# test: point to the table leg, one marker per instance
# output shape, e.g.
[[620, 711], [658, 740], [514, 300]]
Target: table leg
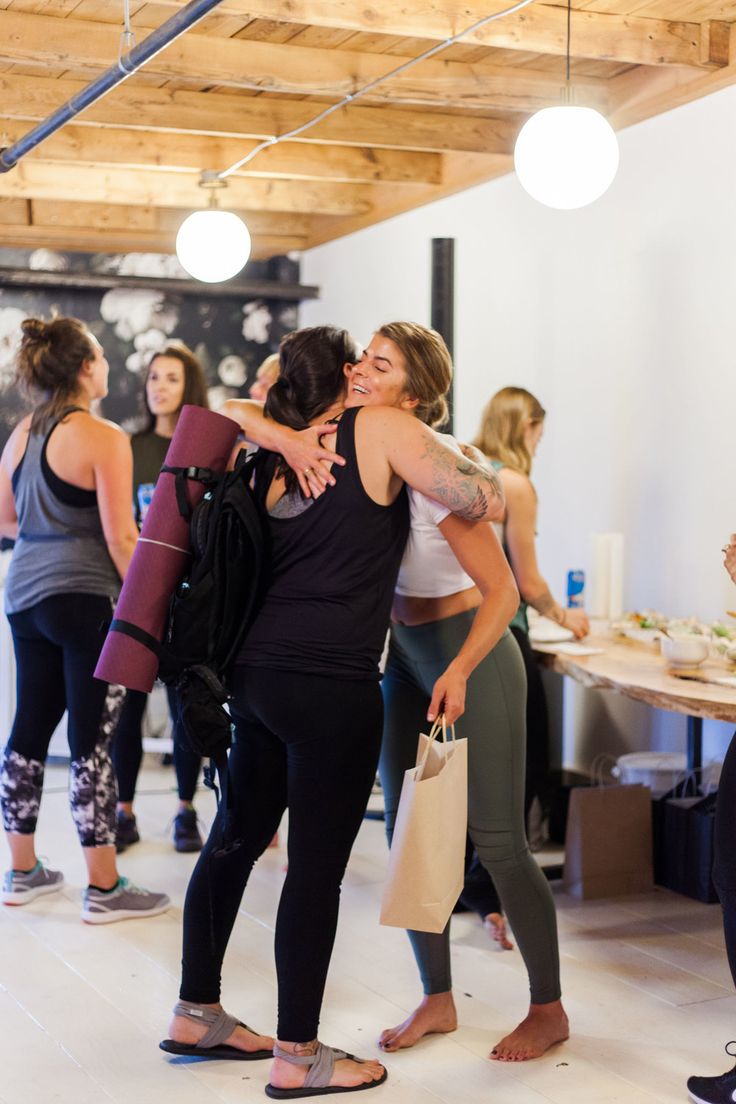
[[694, 743]]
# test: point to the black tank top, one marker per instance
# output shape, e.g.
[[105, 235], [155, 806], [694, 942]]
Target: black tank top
[[331, 576]]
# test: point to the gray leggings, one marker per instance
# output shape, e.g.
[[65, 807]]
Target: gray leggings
[[494, 725]]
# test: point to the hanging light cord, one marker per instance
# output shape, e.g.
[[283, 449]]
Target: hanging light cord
[[567, 47], [353, 96], [127, 37]]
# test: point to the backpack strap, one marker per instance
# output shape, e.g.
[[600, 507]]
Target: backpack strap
[[199, 475]]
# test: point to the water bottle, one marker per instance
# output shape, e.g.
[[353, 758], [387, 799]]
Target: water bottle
[[575, 589]]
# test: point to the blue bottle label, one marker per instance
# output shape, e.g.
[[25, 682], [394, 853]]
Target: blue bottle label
[[575, 589], [144, 496]]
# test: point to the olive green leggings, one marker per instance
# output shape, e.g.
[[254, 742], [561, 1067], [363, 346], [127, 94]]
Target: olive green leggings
[[494, 725]]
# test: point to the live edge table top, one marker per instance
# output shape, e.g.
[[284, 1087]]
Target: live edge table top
[[638, 671]]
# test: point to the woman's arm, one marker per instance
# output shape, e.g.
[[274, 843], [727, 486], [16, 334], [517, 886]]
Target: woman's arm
[[112, 464], [11, 457], [477, 548], [301, 449], [521, 522], [8, 516], [436, 467]]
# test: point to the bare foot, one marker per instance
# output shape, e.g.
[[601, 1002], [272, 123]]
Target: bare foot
[[495, 922], [545, 1025], [435, 1015], [348, 1073], [184, 1030]]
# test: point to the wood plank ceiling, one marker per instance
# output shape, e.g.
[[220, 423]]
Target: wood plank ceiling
[[122, 176]]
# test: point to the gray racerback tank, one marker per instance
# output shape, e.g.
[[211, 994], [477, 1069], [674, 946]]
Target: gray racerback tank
[[60, 548]]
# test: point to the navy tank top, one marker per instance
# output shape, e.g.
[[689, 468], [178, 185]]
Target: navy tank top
[[332, 573]]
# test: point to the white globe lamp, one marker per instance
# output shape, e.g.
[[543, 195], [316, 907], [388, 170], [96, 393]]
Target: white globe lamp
[[566, 156], [213, 245]]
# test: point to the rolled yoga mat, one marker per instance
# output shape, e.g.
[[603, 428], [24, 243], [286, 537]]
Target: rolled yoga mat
[[202, 439]]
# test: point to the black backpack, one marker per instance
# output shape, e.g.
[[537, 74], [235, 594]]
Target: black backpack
[[213, 606]]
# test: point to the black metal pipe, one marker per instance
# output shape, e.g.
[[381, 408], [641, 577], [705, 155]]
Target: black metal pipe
[[127, 64]]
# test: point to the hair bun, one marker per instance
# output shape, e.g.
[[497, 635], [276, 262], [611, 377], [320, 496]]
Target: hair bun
[[35, 329]]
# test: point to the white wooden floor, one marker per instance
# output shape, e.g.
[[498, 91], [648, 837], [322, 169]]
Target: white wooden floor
[[82, 1009]]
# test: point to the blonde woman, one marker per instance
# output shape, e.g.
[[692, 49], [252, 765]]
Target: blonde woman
[[511, 429], [449, 649]]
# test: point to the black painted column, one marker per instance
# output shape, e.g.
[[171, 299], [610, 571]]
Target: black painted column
[[443, 300]]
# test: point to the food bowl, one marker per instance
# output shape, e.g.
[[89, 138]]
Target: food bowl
[[685, 651]]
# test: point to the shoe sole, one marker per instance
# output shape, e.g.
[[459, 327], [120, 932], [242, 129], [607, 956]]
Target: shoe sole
[[186, 847], [29, 895], [330, 1090], [122, 914]]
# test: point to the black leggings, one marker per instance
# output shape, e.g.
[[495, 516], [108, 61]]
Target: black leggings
[[57, 643], [724, 867], [309, 744], [127, 749]]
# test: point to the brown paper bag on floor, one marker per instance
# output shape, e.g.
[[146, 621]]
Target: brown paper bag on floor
[[608, 843], [427, 860]]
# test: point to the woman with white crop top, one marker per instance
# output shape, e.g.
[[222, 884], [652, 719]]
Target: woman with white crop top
[[450, 646]]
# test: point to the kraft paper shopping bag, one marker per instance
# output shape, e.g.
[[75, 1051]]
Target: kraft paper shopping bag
[[608, 842], [426, 864]]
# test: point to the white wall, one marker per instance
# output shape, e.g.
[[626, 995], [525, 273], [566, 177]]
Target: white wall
[[620, 318]]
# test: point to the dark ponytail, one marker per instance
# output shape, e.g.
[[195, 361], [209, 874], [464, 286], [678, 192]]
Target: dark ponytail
[[310, 381], [49, 361]]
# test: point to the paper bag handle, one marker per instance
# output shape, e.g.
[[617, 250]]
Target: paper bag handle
[[440, 725]]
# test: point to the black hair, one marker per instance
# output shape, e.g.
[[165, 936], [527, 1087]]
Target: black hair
[[310, 381]]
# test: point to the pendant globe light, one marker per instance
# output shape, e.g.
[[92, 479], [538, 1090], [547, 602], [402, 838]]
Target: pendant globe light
[[213, 245], [566, 156]]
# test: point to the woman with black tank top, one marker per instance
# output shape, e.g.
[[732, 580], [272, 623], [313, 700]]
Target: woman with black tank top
[[306, 705], [64, 497], [174, 377]]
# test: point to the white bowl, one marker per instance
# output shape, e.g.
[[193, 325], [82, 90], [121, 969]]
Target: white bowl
[[685, 651]]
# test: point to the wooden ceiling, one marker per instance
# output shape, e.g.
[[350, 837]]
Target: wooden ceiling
[[123, 175]]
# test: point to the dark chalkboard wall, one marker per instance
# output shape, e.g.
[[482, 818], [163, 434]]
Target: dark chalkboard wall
[[231, 336]]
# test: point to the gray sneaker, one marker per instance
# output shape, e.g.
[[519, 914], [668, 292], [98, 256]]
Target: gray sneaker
[[125, 902], [21, 887]]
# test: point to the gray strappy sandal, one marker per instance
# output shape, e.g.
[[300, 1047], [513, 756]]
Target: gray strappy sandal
[[319, 1075], [212, 1044]]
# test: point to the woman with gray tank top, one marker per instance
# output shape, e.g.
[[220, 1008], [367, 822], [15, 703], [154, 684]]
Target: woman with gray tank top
[[450, 650], [65, 478]]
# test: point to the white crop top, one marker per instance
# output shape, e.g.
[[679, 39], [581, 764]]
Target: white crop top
[[429, 568]]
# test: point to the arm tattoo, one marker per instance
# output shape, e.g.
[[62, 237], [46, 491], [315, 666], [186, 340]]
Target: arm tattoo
[[460, 484]]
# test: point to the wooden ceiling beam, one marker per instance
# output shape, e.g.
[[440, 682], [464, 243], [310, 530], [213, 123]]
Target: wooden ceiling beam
[[165, 220], [539, 28], [141, 107], [265, 66], [86, 240], [56, 180], [640, 94], [190, 152], [462, 172]]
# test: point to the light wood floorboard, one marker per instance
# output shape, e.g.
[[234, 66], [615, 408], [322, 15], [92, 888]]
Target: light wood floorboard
[[82, 1009]]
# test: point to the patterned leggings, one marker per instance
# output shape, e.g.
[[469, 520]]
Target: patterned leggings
[[56, 646]]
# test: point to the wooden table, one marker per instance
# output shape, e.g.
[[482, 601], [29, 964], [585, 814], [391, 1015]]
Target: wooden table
[[638, 671]]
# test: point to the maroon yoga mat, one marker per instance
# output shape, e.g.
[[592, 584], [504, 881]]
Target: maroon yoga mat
[[202, 439]]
